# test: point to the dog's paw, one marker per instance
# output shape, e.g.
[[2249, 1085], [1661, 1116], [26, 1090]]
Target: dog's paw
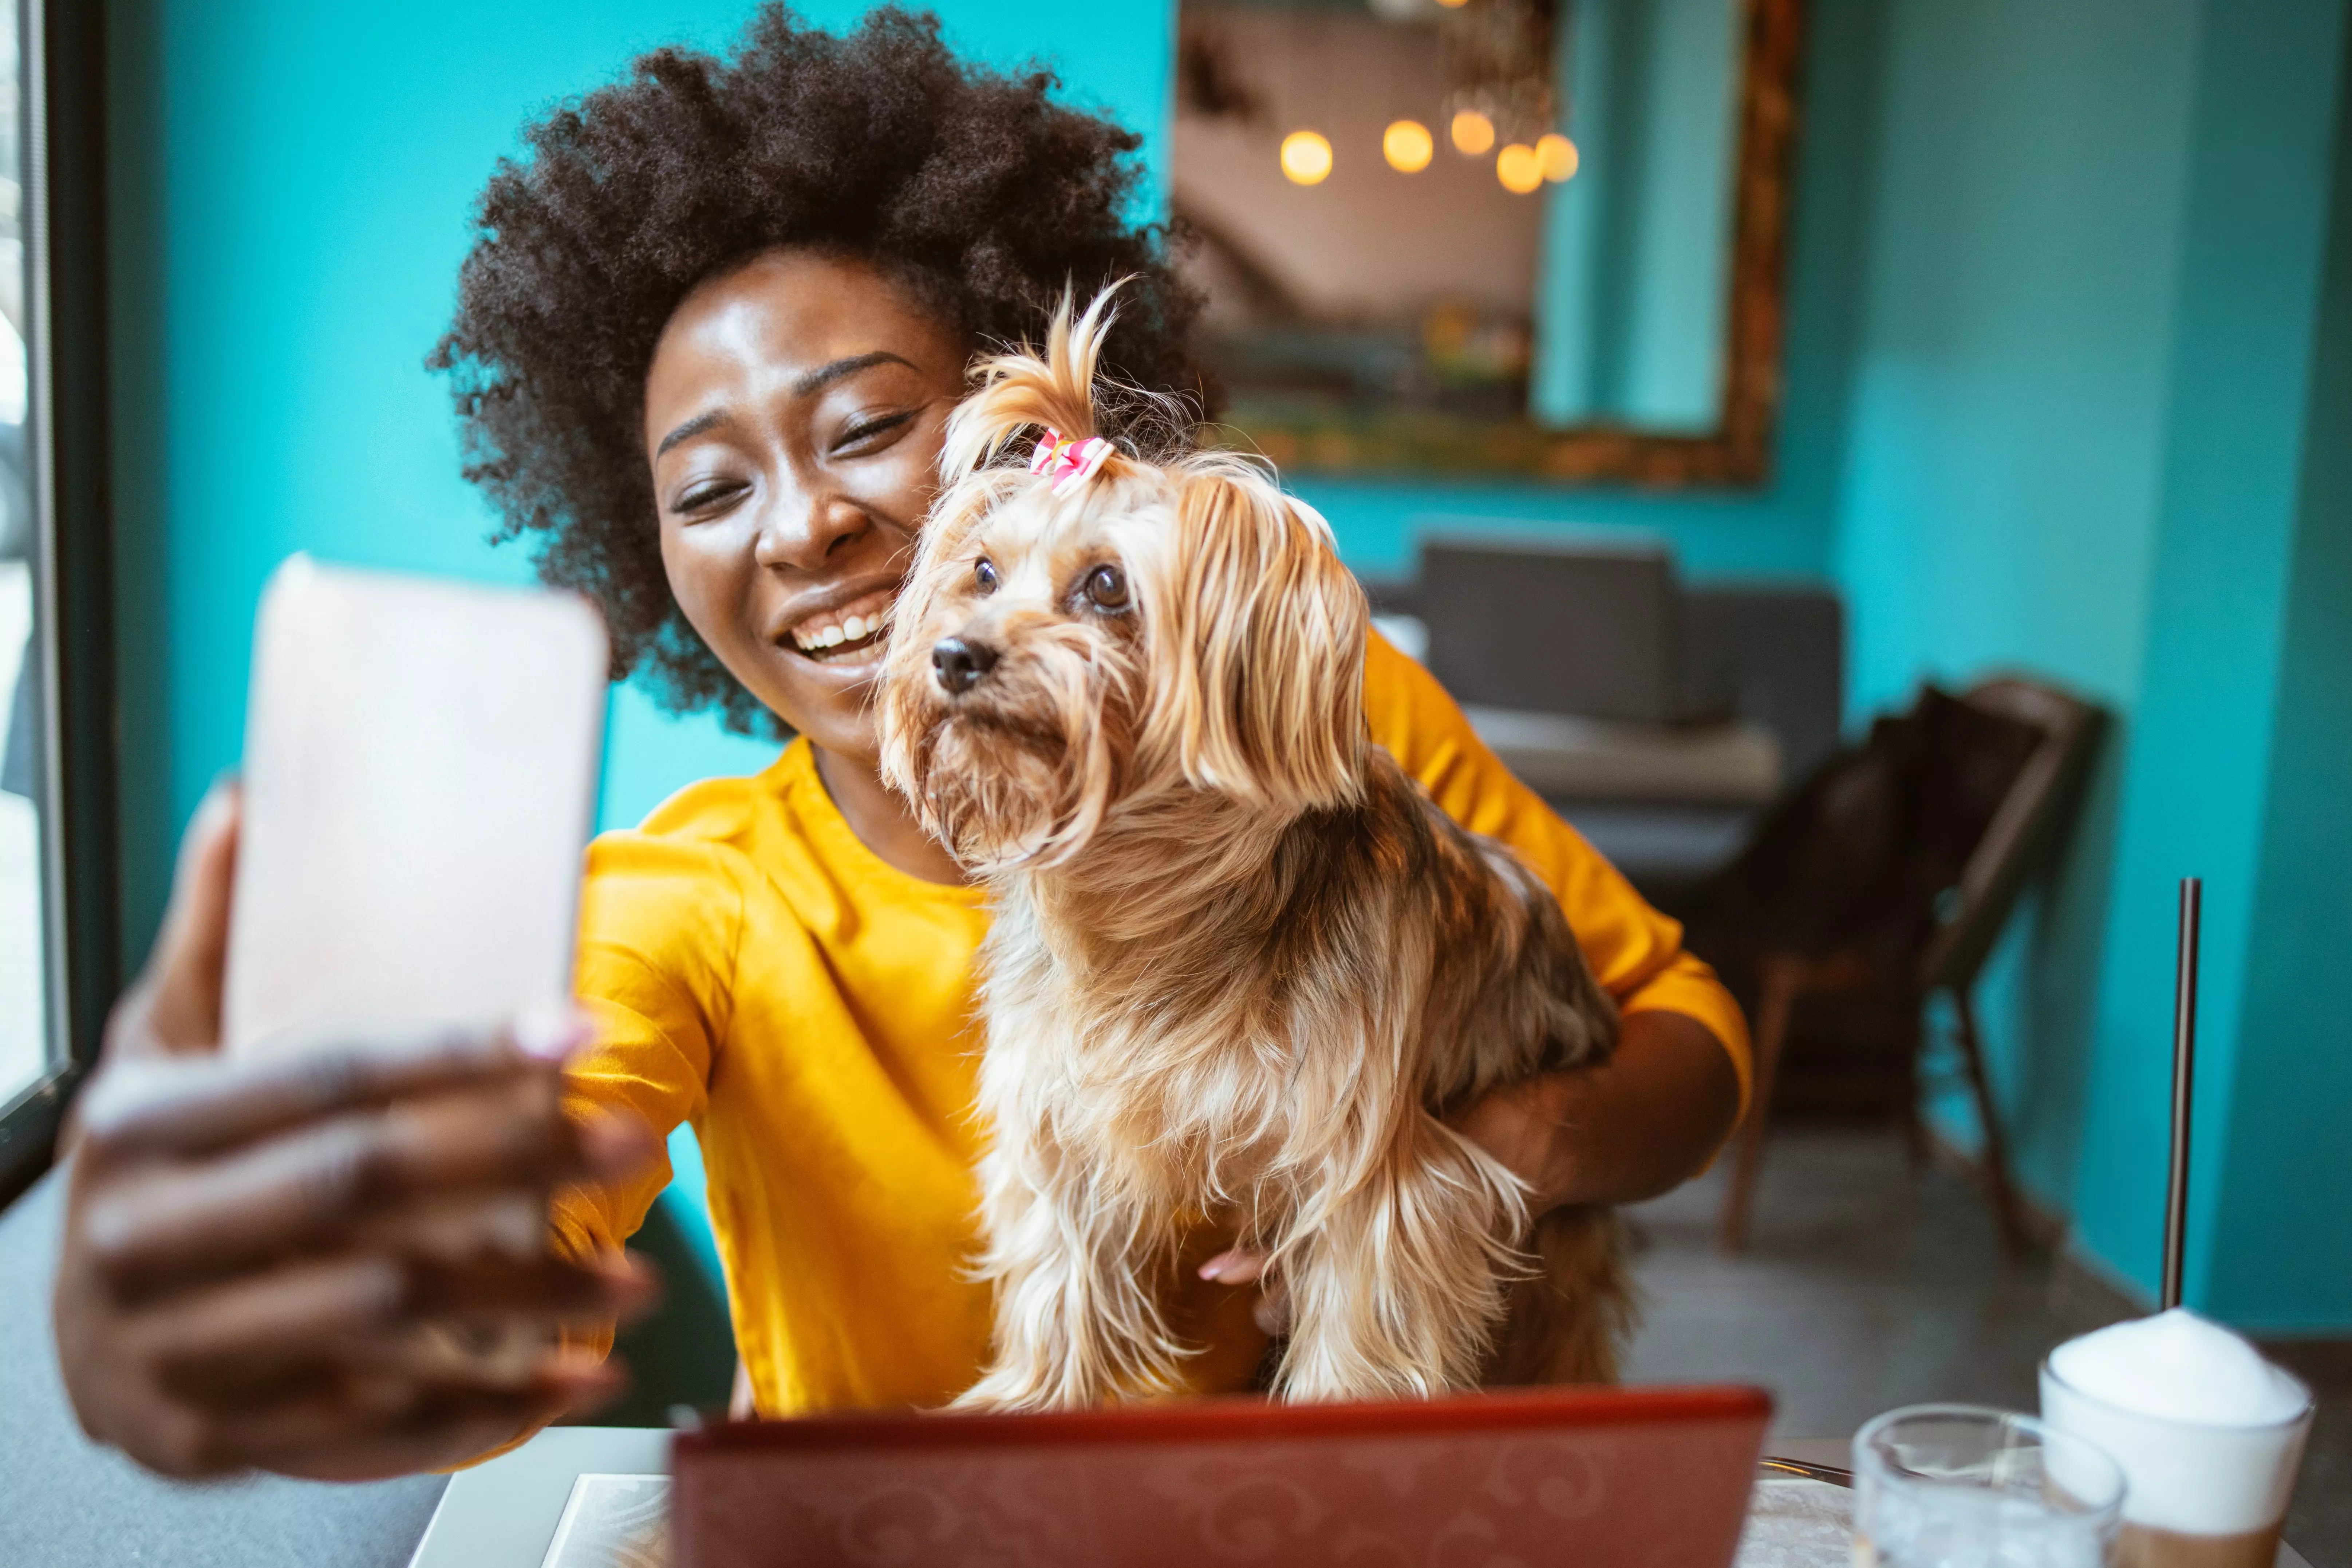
[[1004, 1393]]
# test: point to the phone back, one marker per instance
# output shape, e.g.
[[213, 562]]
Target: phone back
[[421, 760]]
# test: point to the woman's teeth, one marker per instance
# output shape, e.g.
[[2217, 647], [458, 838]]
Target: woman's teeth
[[848, 629]]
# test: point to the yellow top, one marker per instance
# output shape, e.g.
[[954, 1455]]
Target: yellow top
[[758, 971]]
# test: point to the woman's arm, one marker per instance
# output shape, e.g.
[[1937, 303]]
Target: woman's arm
[[215, 1308], [1655, 1112], [1637, 1125]]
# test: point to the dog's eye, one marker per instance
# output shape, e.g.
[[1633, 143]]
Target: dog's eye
[[983, 576], [1107, 588]]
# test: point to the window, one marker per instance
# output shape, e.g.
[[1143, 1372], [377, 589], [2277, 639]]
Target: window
[[56, 800], [25, 1049]]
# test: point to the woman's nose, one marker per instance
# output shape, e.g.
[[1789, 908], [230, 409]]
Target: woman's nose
[[805, 533], [959, 663]]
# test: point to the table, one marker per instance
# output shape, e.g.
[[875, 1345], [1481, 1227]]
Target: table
[[66, 1502]]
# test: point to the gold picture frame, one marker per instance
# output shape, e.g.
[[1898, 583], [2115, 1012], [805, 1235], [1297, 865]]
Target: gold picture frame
[[1736, 454]]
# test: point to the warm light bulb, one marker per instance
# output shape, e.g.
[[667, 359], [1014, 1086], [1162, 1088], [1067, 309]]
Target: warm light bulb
[[1519, 167], [1407, 145], [1454, 5], [1472, 133], [1305, 157], [1559, 156]]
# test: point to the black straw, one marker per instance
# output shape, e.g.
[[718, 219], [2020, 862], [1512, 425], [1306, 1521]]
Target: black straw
[[2184, 1075]]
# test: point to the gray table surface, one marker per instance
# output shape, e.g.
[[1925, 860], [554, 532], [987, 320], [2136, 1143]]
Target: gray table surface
[[66, 1501]]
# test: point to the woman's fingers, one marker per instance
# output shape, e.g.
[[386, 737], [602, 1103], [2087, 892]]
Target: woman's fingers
[[362, 1426], [255, 1337], [155, 1224], [176, 1005], [192, 1107], [1246, 1266], [1235, 1265]]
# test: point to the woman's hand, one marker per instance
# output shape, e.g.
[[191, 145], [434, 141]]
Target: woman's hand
[[1637, 1125], [232, 1292]]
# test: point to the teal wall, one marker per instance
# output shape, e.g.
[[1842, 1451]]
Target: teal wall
[[2008, 427], [2051, 399], [2084, 439], [2225, 749]]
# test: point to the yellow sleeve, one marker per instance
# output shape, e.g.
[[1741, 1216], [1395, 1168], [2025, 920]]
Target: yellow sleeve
[[1635, 951], [660, 919]]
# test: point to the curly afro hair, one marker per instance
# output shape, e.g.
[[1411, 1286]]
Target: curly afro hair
[[970, 187]]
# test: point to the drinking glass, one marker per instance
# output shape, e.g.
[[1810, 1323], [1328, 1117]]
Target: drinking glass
[[1957, 1486]]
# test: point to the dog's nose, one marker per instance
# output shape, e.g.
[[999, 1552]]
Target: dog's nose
[[959, 663]]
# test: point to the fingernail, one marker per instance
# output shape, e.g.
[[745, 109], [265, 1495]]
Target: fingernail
[[616, 1142], [550, 1034]]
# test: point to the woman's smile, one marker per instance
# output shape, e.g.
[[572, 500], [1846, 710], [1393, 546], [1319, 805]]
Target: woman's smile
[[794, 411], [842, 629]]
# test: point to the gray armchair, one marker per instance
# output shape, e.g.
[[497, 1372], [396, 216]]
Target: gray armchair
[[1660, 719]]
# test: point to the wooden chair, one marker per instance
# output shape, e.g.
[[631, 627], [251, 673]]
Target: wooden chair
[[2023, 835]]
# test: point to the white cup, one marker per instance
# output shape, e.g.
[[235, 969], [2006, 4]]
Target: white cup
[[2198, 1495]]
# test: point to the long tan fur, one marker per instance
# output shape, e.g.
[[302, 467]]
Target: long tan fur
[[1240, 965]]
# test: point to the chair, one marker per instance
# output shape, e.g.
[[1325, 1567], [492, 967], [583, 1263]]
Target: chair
[[1659, 717], [2024, 834]]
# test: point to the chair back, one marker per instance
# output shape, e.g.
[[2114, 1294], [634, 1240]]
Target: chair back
[[2025, 830]]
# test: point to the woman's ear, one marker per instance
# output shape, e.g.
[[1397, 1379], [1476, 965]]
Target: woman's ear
[[1268, 666]]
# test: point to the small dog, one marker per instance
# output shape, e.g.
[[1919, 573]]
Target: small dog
[[1240, 965]]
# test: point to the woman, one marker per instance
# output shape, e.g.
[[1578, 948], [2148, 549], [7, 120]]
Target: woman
[[704, 353]]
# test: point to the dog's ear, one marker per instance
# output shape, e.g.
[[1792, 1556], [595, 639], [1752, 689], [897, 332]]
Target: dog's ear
[[1260, 685], [1023, 391]]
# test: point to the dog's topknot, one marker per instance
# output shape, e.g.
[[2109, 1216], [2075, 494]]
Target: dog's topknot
[[970, 187], [1069, 388]]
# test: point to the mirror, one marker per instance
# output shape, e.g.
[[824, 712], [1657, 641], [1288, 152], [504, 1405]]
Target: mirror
[[1538, 236]]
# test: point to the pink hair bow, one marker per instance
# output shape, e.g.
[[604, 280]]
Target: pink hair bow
[[1067, 463]]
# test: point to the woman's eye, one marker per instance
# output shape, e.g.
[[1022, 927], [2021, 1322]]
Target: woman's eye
[[1107, 588], [703, 496], [864, 431], [984, 577]]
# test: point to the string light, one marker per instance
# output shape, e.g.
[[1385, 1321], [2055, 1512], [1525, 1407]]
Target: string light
[[1407, 145], [1305, 157], [1454, 5], [1472, 133], [1557, 155], [1519, 167]]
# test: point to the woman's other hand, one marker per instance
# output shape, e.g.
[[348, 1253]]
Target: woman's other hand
[[1639, 1125], [216, 1307]]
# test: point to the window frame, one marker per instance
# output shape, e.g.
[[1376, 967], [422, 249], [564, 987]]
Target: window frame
[[62, 101]]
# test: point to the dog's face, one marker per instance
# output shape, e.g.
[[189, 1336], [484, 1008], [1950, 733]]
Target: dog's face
[[1148, 630]]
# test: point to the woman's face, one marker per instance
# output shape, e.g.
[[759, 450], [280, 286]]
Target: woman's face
[[794, 411]]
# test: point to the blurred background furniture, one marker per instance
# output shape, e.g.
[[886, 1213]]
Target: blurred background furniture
[[1659, 717], [1848, 895]]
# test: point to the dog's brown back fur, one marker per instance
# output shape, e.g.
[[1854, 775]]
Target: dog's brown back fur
[[1240, 965]]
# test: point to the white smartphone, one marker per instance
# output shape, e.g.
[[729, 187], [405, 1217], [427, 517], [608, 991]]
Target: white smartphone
[[421, 761]]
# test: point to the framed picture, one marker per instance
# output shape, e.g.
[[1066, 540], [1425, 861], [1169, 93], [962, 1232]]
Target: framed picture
[[1531, 236]]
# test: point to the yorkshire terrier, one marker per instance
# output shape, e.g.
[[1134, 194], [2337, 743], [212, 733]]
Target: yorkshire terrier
[[1241, 966]]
